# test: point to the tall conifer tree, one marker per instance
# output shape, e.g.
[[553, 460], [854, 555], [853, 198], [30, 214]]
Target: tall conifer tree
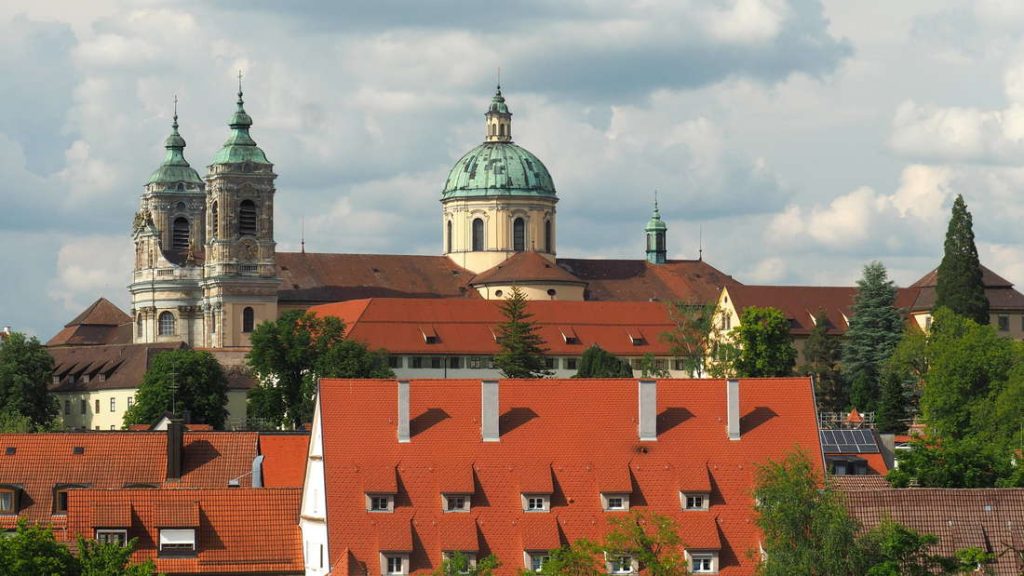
[[875, 329], [959, 286], [522, 347]]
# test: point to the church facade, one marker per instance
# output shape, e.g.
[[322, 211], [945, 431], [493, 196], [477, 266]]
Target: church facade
[[207, 271]]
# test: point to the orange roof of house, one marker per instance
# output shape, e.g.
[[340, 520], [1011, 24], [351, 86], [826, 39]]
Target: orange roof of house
[[468, 326], [239, 530], [569, 420], [101, 323], [211, 459], [525, 267], [284, 459], [693, 281]]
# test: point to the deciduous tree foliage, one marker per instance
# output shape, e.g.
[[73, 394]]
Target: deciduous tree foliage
[[652, 540], [949, 463], [696, 334], [765, 348], [522, 351], [891, 416], [291, 354], [191, 380], [577, 559], [822, 353], [26, 369], [32, 551], [959, 285], [876, 327], [110, 559], [597, 362], [459, 565]]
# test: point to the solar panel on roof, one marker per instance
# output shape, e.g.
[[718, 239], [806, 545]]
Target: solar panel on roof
[[848, 441]]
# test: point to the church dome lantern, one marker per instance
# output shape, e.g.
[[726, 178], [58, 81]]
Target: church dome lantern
[[240, 148], [175, 170]]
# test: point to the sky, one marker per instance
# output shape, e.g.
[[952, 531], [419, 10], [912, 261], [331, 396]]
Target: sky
[[793, 140]]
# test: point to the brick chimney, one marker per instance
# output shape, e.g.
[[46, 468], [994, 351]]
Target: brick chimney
[[175, 446]]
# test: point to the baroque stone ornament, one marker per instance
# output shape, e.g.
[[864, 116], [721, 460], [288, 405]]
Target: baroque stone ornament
[[143, 218]]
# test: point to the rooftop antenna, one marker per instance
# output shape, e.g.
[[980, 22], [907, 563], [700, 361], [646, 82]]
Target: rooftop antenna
[[239, 81], [302, 235], [175, 108], [499, 77], [700, 243]]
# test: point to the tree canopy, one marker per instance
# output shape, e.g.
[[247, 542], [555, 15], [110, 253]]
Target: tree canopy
[[32, 550], [596, 362], [290, 355], [522, 351], [693, 339], [822, 353], [26, 370], [765, 348], [876, 327], [180, 380], [959, 285]]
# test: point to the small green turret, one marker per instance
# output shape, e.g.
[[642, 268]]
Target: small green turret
[[656, 230], [175, 169], [240, 147]]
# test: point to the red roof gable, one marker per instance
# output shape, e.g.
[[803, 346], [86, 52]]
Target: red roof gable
[[284, 459], [525, 267], [568, 420], [467, 326]]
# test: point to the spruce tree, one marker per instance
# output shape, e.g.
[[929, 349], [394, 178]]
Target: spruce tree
[[597, 362], [892, 407], [959, 286], [522, 348], [822, 353], [875, 329]]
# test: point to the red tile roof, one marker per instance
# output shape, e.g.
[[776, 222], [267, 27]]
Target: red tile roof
[[240, 530], [104, 367], [639, 280], [211, 459], [468, 326], [988, 518], [525, 267], [569, 420], [999, 291], [101, 323], [284, 459]]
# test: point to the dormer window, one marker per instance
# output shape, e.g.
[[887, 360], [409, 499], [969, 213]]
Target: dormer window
[[392, 564], [60, 496], [620, 563], [117, 536], [8, 500], [694, 500], [703, 562], [380, 502], [536, 502], [536, 559], [615, 502], [177, 542], [455, 502]]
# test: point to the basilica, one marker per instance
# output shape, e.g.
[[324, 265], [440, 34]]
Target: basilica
[[207, 271]]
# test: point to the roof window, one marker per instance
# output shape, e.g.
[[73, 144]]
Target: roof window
[[78, 450], [10, 450]]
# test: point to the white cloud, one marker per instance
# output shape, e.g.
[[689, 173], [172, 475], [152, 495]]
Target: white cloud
[[89, 267], [747, 21]]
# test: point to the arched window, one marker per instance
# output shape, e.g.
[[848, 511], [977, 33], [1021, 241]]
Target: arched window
[[214, 220], [165, 324], [478, 234], [518, 235], [547, 236], [248, 319], [449, 230], [247, 218], [213, 322], [179, 234], [501, 129], [138, 326]]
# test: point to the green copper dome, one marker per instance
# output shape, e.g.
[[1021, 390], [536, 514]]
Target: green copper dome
[[655, 223], [240, 147], [498, 169], [175, 168], [498, 105]]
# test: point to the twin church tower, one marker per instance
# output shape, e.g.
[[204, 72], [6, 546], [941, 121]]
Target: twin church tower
[[205, 261]]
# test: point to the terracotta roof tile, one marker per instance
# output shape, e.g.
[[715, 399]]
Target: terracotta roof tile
[[568, 419], [525, 267], [112, 514], [105, 367], [394, 532], [1000, 292], [639, 280], [454, 477], [284, 459], [693, 477], [613, 477], [176, 514], [211, 459], [101, 323], [467, 327], [534, 478], [379, 479], [240, 530], [457, 532]]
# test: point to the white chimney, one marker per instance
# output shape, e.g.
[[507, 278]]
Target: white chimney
[[489, 411], [648, 417], [732, 398], [403, 410]]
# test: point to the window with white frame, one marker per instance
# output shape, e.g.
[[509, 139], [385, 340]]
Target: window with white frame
[[380, 502], [536, 502], [113, 404], [455, 502], [395, 563], [117, 536], [703, 562], [614, 502], [536, 559], [619, 563], [177, 541], [695, 501]]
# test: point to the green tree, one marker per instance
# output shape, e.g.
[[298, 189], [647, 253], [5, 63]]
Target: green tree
[[765, 348], [576, 559], [110, 559], [694, 338], [822, 353], [522, 351], [959, 285], [650, 539], [875, 329], [180, 380], [806, 529], [891, 416], [32, 550], [896, 550], [26, 370], [596, 362], [291, 354], [947, 463], [459, 565], [968, 364]]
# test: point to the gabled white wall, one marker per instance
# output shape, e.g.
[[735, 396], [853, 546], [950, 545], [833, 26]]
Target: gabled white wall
[[313, 516]]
